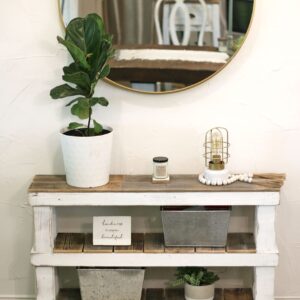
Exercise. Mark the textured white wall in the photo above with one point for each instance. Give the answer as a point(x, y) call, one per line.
point(256, 97)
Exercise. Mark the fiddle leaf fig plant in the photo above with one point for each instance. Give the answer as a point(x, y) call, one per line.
point(90, 47)
point(195, 276)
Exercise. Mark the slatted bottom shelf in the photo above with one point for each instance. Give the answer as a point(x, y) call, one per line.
point(169, 294)
point(149, 243)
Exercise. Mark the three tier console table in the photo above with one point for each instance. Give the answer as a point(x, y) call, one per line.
point(257, 249)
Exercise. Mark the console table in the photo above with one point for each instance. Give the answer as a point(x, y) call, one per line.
point(52, 249)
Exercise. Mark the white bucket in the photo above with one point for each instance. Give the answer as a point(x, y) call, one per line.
point(87, 159)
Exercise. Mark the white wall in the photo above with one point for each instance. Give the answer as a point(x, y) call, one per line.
point(256, 97)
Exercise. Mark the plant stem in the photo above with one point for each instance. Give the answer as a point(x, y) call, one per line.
point(89, 122)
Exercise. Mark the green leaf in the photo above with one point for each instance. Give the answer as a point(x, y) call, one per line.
point(65, 90)
point(75, 125)
point(102, 101)
point(97, 127)
point(72, 68)
point(105, 71)
point(94, 31)
point(75, 33)
point(81, 109)
point(81, 79)
point(77, 54)
point(74, 101)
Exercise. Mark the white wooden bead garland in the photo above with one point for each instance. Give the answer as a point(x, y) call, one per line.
point(245, 177)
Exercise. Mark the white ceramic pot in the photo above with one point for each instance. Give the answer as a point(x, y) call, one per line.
point(205, 292)
point(87, 159)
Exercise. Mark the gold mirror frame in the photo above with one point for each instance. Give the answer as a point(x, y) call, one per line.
point(113, 83)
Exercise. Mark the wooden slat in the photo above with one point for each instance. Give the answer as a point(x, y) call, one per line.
point(168, 294)
point(74, 243)
point(59, 243)
point(69, 294)
point(137, 245)
point(143, 183)
point(143, 294)
point(179, 249)
point(154, 243)
point(238, 294)
point(148, 243)
point(210, 250)
point(219, 294)
point(155, 294)
point(241, 243)
point(174, 294)
point(90, 248)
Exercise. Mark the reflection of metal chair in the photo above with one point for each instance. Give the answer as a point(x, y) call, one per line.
point(186, 18)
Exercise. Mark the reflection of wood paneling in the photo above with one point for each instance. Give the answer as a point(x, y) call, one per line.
point(164, 47)
point(90, 6)
point(196, 1)
point(87, 6)
point(176, 71)
point(161, 70)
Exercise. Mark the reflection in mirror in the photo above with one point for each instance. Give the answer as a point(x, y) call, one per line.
point(166, 45)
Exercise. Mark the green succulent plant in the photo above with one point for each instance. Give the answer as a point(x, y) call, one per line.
point(196, 276)
point(90, 47)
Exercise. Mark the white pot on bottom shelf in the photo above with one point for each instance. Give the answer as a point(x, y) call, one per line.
point(203, 292)
point(87, 158)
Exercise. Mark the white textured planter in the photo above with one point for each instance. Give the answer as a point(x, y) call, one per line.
point(205, 292)
point(87, 159)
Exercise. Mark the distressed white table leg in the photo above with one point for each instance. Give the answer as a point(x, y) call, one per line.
point(44, 229)
point(47, 284)
point(263, 288)
point(265, 236)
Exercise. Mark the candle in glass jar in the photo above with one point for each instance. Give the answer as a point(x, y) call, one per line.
point(160, 168)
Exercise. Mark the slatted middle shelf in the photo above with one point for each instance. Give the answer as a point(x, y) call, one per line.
point(129, 190)
point(149, 243)
point(169, 294)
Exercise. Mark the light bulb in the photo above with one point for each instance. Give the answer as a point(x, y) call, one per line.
point(216, 147)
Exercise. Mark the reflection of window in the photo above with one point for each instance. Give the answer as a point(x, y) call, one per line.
point(242, 11)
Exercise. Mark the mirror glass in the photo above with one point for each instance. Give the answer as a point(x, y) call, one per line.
point(167, 45)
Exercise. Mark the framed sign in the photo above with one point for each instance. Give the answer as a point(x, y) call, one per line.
point(112, 231)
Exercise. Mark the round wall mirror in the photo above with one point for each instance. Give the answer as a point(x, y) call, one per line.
point(165, 46)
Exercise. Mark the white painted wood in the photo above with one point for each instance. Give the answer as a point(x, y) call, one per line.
point(265, 235)
point(216, 25)
point(154, 199)
point(157, 22)
point(170, 22)
point(153, 260)
point(264, 278)
point(46, 262)
point(46, 283)
point(171, 55)
point(44, 229)
point(180, 6)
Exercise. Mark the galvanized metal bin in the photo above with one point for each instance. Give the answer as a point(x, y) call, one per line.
point(195, 226)
point(111, 284)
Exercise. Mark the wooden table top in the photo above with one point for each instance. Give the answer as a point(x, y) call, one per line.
point(143, 183)
point(162, 70)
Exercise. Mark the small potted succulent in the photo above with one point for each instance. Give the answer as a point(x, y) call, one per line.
point(86, 147)
point(198, 282)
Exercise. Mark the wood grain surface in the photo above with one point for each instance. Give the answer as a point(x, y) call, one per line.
point(149, 243)
point(143, 183)
point(169, 294)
